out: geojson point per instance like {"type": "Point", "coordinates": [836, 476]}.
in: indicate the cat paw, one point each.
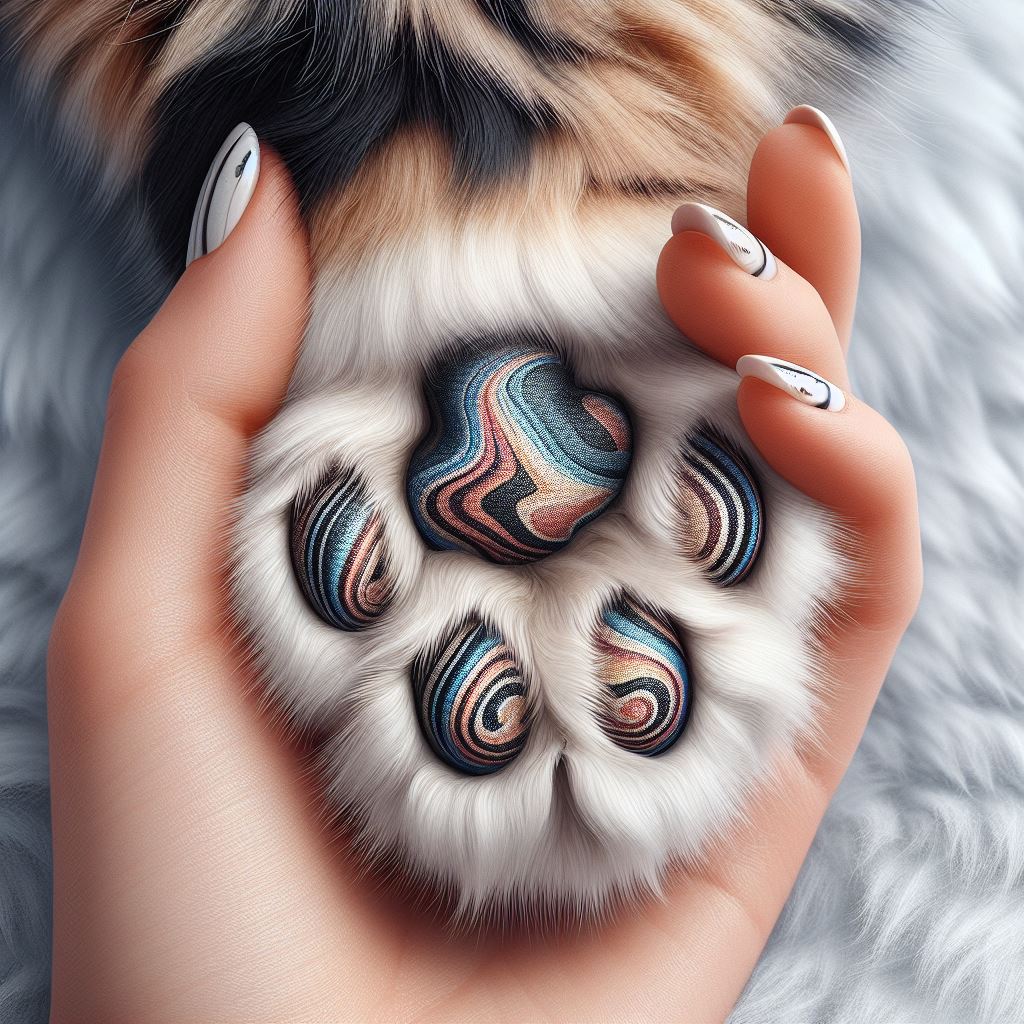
{"type": "Point", "coordinates": [552, 624]}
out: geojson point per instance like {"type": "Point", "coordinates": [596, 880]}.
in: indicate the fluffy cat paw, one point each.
{"type": "Point", "coordinates": [553, 622]}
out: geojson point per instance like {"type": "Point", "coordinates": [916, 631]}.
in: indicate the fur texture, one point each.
{"type": "Point", "coordinates": [520, 834]}
{"type": "Point", "coordinates": [531, 157]}
{"type": "Point", "coordinates": [923, 928]}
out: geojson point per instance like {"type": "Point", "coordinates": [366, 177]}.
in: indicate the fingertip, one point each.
{"type": "Point", "coordinates": [800, 151]}
{"type": "Point", "coordinates": [274, 216]}
{"type": "Point", "coordinates": [815, 118]}
{"type": "Point", "coordinates": [268, 247]}
{"type": "Point", "coordinates": [854, 463]}
{"type": "Point", "coordinates": [692, 262]}
{"type": "Point", "coordinates": [234, 320]}
{"type": "Point", "coordinates": [208, 372]}
{"type": "Point", "coordinates": [800, 201]}
{"type": "Point", "coordinates": [851, 460]}
{"type": "Point", "coordinates": [727, 312]}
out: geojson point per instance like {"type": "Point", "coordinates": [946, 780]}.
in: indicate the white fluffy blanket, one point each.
{"type": "Point", "coordinates": [911, 904]}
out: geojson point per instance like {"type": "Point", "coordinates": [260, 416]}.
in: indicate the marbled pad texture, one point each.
{"type": "Point", "coordinates": [471, 700]}
{"type": "Point", "coordinates": [339, 552]}
{"type": "Point", "coordinates": [642, 665]}
{"type": "Point", "coordinates": [720, 503]}
{"type": "Point", "coordinates": [515, 460]}
{"type": "Point", "coordinates": [518, 457]}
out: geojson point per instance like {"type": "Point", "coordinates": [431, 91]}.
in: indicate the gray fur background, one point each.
{"type": "Point", "coordinates": [911, 904]}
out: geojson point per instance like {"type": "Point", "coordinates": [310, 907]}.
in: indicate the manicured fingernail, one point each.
{"type": "Point", "coordinates": [226, 192]}
{"type": "Point", "coordinates": [816, 119]}
{"type": "Point", "coordinates": [798, 381]}
{"type": "Point", "coordinates": [747, 252]}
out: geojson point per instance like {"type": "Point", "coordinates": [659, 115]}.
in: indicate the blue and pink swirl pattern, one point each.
{"type": "Point", "coordinates": [518, 457]}
{"type": "Point", "coordinates": [340, 554]}
{"type": "Point", "coordinates": [642, 665]}
{"type": "Point", "coordinates": [722, 511]}
{"type": "Point", "coordinates": [471, 700]}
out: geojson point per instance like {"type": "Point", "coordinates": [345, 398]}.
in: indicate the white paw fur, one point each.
{"type": "Point", "coordinates": [574, 821]}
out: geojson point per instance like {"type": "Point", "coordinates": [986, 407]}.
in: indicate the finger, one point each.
{"type": "Point", "coordinates": [800, 203]}
{"type": "Point", "coordinates": [845, 456]}
{"type": "Point", "coordinates": [714, 287]}
{"type": "Point", "coordinates": [207, 373]}
{"type": "Point", "coordinates": [160, 761]}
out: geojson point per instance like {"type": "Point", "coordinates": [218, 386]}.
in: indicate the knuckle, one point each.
{"type": "Point", "coordinates": [98, 646]}
{"type": "Point", "coordinates": [130, 366]}
{"type": "Point", "coordinates": [137, 380]}
{"type": "Point", "coordinates": [888, 531]}
{"type": "Point", "coordinates": [130, 371]}
{"type": "Point", "coordinates": [61, 631]}
{"type": "Point", "coordinates": [894, 456]}
{"type": "Point", "coordinates": [887, 471]}
{"type": "Point", "coordinates": [71, 626]}
{"type": "Point", "coordinates": [77, 627]}
{"type": "Point", "coordinates": [903, 595]}
{"type": "Point", "coordinates": [902, 463]}
{"type": "Point", "coordinates": [915, 581]}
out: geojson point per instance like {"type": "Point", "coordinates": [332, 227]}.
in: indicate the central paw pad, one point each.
{"type": "Point", "coordinates": [518, 457]}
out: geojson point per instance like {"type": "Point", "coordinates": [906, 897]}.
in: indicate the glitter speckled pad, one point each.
{"type": "Point", "coordinates": [641, 662]}
{"type": "Point", "coordinates": [518, 457]}
{"type": "Point", "coordinates": [722, 512]}
{"type": "Point", "coordinates": [340, 554]}
{"type": "Point", "coordinates": [471, 700]}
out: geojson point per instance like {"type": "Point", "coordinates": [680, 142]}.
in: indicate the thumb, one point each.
{"type": "Point", "coordinates": [189, 874]}
{"type": "Point", "coordinates": [205, 375]}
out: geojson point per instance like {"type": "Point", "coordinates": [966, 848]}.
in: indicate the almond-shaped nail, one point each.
{"type": "Point", "coordinates": [746, 251]}
{"type": "Point", "coordinates": [816, 118]}
{"type": "Point", "coordinates": [226, 192]}
{"type": "Point", "coordinates": [803, 384]}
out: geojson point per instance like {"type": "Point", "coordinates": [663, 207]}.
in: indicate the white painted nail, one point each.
{"type": "Point", "coordinates": [804, 385]}
{"type": "Point", "coordinates": [226, 192]}
{"type": "Point", "coordinates": [817, 119]}
{"type": "Point", "coordinates": [746, 251]}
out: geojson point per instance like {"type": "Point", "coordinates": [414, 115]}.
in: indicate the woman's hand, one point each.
{"type": "Point", "coordinates": [194, 879]}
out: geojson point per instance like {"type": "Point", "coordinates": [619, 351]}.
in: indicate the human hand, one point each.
{"type": "Point", "coordinates": [194, 877]}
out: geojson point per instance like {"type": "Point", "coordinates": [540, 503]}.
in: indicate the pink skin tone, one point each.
{"type": "Point", "coordinates": [193, 878]}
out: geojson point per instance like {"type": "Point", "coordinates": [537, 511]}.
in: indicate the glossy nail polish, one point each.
{"type": "Point", "coordinates": [812, 116]}
{"type": "Point", "coordinates": [803, 384]}
{"type": "Point", "coordinates": [746, 251]}
{"type": "Point", "coordinates": [229, 185]}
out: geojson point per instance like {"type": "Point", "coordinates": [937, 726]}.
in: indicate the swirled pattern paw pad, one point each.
{"type": "Point", "coordinates": [471, 700]}
{"type": "Point", "coordinates": [721, 508]}
{"type": "Point", "coordinates": [339, 552]}
{"type": "Point", "coordinates": [643, 669]}
{"type": "Point", "coordinates": [528, 731]}
{"type": "Point", "coordinates": [518, 457]}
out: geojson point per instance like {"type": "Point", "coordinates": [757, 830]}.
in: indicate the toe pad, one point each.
{"type": "Point", "coordinates": [339, 552]}
{"type": "Point", "coordinates": [642, 665]}
{"type": "Point", "coordinates": [471, 700]}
